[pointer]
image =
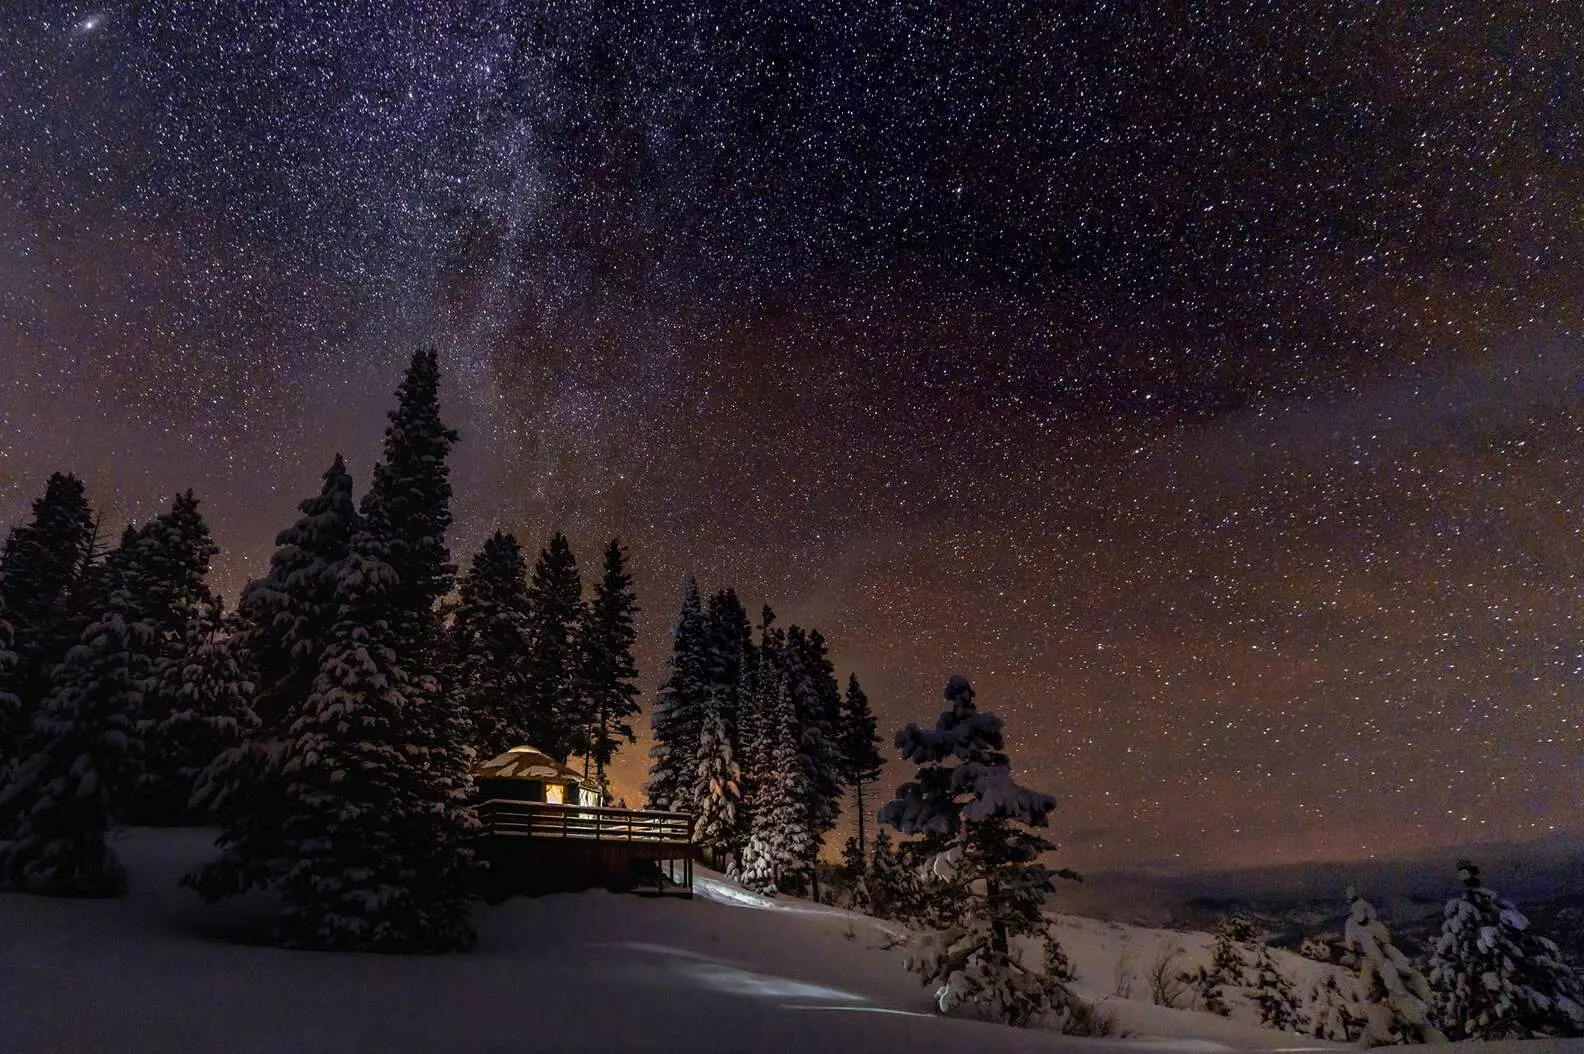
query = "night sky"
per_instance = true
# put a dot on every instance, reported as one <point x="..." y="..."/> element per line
<point x="1206" y="387"/>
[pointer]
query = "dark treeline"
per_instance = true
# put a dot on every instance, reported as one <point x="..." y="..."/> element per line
<point x="753" y="735"/>
<point x="329" y="724"/>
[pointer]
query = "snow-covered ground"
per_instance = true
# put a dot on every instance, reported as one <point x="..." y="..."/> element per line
<point x="727" y="971"/>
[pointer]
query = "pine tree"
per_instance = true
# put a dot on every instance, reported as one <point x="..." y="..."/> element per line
<point x="974" y="819"/>
<point x="1396" y="997"/>
<point x="1207" y="991"/>
<point x="816" y="700"/>
<point x="165" y="564"/>
<point x="1273" y="994"/>
<point x="557" y="711"/>
<point x="79" y="761"/>
<point x="10" y="702"/>
<point x="754" y="719"/>
<point x="1334" y="1014"/>
<point x="716" y="790"/>
<point x="677" y="719"/>
<point x="609" y="669"/>
<point x="375" y="864"/>
<point x="411" y="495"/>
<point x="377" y="828"/>
<point x="1493" y="979"/>
<point x="1226" y="970"/>
<point x="729" y="642"/>
<point x="208" y="700"/>
<point x="41" y="563"/>
<point x="284" y="622"/>
<point x="781" y="842"/>
<point x="490" y="635"/>
<point x="860" y="739"/>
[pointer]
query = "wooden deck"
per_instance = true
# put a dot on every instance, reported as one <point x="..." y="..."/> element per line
<point x="536" y="847"/>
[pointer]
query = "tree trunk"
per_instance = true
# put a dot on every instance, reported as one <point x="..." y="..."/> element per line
<point x="863" y="844"/>
<point x="998" y="931"/>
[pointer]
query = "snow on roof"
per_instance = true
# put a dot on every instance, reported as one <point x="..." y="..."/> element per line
<point x="526" y="763"/>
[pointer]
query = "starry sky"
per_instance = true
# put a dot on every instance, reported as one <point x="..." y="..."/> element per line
<point x="1204" y="383"/>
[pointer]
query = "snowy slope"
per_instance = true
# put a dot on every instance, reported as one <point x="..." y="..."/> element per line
<point x="157" y="971"/>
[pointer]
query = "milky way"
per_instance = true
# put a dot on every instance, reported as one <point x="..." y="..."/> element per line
<point x="1204" y="386"/>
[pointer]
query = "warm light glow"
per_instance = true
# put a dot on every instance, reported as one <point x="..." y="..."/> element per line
<point x="555" y="794"/>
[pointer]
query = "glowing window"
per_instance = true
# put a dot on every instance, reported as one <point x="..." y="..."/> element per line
<point x="555" y="794"/>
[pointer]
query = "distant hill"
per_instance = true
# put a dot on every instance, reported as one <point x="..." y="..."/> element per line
<point x="1545" y="878"/>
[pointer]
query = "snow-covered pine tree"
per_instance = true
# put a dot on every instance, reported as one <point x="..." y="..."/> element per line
<point x="167" y="563"/>
<point x="609" y="669"/>
<point x="1334" y="1014"/>
<point x="376" y="862"/>
<point x="208" y="703"/>
<point x="860" y="740"/>
<point x="753" y="719"/>
<point x="716" y="789"/>
<point x="79" y="763"/>
<point x="378" y="826"/>
<point x="1493" y="979"/>
<point x="411" y="493"/>
<point x="678" y="714"/>
<point x="968" y="812"/>
<point x="1208" y="994"/>
<point x="816" y="698"/>
<point x="886" y="882"/>
<point x="1396" y="996"/>
<point x="1273" y="993"/>
<point x="490" y="635"/>
<point x="557" y="711"/>
<point x="854" y="879"/>
<point x="283" y="625"/>
<point x="41" y="562"/>
<point x="10" y="703"/>
<point x="729" y="640"/>
<point x="781" y="843"/>
<point x="1226" y="955"/>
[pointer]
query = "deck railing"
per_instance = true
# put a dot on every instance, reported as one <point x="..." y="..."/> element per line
<point x="527" y="819"/>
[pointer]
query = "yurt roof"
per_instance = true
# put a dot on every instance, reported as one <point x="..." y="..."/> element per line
<point x="526" y="763"/>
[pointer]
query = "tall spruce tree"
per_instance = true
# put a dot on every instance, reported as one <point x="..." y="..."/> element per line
<point x="10" y="702"/>
<point x="816" y="699"/>
<point x="283" y="625"/>
<point x="716" y="787"/>
<point x="754" y="718"/>
<point x="375" y="863"/>
<point x="378" y="827"/>
<point x="208" y="704"/>
<point x="860" y="740"/>
<point x="609" y="670"/>
<point x="557" y="707"/>
<point x="411" y="496"/>
<point x="41" y="564"/>
<point x="79" y="762"/>
<point x="781" y="842"/>
<point x="967" y="811"/>
<point x="677" y="719"/>
<point x="491" y="633"/>
<point x="1492" y="978"/>
<point x="167" y="563"/>
<point x="1396" y="997"/>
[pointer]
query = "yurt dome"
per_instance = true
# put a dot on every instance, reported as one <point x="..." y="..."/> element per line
<point x="528" y="774"/>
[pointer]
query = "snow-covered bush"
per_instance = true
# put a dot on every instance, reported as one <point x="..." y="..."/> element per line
<point x="1492" y="978"/>
<point x="1273" y="994"/>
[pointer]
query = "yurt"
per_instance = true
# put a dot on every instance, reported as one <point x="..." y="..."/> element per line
<point x="528" y="774"/>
